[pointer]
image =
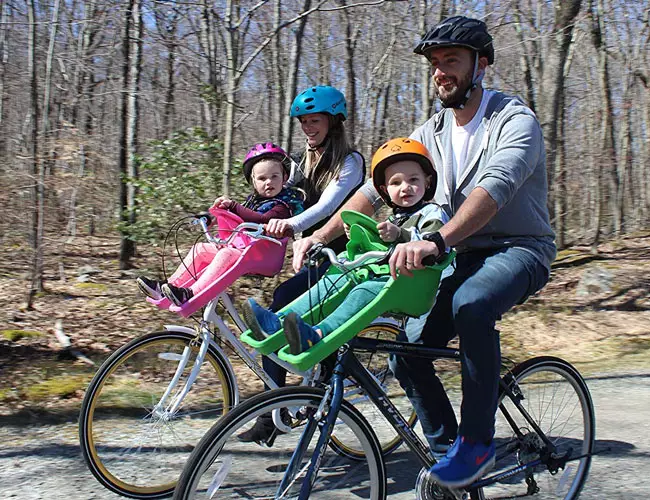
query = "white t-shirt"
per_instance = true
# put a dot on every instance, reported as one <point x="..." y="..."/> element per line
<point x="462" y="137"/>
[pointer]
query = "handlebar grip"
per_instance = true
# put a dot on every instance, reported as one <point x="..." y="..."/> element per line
<point x="206" y="215"/>
<point x="431" y="260"/>
<point x="314" y="251"/>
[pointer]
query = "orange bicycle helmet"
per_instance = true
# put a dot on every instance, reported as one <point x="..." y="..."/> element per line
<point x="399" y="149"/>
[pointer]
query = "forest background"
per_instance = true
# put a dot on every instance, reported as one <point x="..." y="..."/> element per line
<point x="119" y="117"/>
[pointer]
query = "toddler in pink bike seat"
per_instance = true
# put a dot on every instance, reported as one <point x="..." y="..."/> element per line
<point x="266" y="167"/>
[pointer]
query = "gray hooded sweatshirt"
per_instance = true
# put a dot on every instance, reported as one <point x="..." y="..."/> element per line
<point x="508" y="160"/>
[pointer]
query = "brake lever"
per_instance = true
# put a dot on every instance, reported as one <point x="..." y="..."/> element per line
<point x="259" y="234"/>
<point x="386" y="258"/>
<point x="432" y="260"/>
<point x="313" y="253"/>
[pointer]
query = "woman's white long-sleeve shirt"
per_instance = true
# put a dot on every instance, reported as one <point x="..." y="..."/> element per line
<point x="350" y="177"/>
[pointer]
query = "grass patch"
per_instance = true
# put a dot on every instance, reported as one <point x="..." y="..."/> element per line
<point x="99" y="287"/>
<point x="61" y="386"/>
<point x="15" y="335"/>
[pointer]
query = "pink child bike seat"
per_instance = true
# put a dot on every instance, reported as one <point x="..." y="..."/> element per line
<point x="248" y="255"/>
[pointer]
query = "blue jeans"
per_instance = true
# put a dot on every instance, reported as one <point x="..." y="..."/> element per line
<point x="284" y="294"/>
<point x="483" y="287"/>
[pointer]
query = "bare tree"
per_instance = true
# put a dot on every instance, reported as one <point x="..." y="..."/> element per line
<point x="552" y="82"/>
<point x="291" y="88"/>
<point x="131" y="72"/>
<point x="4" y="59"/>
<point x="607" y="164"/>
<point x="36" y="226"/>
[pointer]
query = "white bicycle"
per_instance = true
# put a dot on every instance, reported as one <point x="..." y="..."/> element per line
<point x="154" y="398"/>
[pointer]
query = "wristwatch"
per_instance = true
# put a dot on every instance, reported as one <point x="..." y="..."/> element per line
<point x="438" y="240"/>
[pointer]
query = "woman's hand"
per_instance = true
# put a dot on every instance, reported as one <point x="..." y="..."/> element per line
<point x="388" y="231"/>
<point x="278" y="228"/>
<point x="408" y="256"/>
<point x="222" y="202"/>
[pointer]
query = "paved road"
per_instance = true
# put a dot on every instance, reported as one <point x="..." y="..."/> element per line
<point x="45" y="463"/>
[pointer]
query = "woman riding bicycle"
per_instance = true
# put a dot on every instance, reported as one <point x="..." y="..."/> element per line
<point x="329" y="171"/>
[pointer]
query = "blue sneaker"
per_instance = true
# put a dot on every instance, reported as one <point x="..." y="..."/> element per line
<point x="300" y="336"/>
<point x="262" y="322"/>
<point x="464" y="463"/>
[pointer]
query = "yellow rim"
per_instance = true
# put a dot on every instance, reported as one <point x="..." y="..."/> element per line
<point x="144" y="490"/>
<point x="373" y="331"/>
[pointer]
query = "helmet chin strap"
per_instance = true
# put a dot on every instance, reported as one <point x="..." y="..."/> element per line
<point x="314" y="149"/>
<point x="476" y="80"/>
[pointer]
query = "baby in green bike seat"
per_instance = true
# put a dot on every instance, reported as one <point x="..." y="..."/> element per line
<point x="404" y="175"/>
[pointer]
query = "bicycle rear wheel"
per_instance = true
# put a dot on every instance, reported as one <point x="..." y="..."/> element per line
<point x="558" y="400"/>
<point x="132" y="449"/>
<point x="377" y="364"/>
<point x="221" y="466"/>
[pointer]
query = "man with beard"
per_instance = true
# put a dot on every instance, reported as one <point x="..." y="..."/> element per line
<point x="489" y="153"/>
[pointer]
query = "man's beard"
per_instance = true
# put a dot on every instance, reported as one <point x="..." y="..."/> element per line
<point x="456" y="98"/>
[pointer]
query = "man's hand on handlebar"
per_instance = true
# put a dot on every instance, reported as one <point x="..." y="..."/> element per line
<point x="300" y="249"/>
<point x="408" y="256"/>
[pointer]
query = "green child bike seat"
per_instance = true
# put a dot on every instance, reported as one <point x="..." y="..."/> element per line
<point x="412" y="296"/>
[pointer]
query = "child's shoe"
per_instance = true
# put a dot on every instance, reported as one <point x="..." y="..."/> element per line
<point x="176" y="294"/>
<point x="151" y="288"/>
<point x="300" y="336"/>
<point x="261" y="321"/>
<point x="464" y="463"/>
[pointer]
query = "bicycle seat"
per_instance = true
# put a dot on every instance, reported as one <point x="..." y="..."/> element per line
<point x="247" y="256"/>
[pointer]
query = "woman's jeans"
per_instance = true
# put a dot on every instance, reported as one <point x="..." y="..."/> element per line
<point x="284" y="294"/>
<point x="470" y="301"/>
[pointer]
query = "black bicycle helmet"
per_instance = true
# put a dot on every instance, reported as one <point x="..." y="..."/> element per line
<point x="459" y="31"/>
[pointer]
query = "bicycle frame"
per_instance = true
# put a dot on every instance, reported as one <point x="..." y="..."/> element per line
<point x="347" y="365"/>
<point x="165" y="409"/>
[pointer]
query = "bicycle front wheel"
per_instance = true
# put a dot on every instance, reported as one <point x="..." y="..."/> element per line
<point x="558" y="400"/>
<point x="222" y="466"/>
<point x="377" y="364"/>
<point x="132" y="446"/>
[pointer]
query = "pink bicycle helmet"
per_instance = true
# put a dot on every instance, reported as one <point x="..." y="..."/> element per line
<point x="261" y="151"/>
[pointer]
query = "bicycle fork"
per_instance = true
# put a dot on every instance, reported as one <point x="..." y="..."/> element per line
<point x="330" y="405"/>
<point x="166" y="413"/>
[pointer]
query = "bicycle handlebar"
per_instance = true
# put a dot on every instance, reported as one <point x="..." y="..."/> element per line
<point x="379" y="257"/>
<point x="257" y="230"/>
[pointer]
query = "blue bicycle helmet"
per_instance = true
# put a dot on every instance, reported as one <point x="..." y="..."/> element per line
<point x="320" y="99"/>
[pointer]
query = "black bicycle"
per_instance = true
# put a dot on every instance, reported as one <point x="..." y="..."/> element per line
<point x="544" y="436"/>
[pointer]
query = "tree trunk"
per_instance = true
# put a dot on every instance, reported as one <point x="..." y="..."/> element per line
<point x="525" y="61"/>
<point x="608" y="143"/>
<point x="352" y="34"/>
<point x="207" y="42"/>
<point x="278" y="78"/>
<point x="36" y="225"/>
<point x="291" y="88"/>
<point x="232" y="79"/>
<point x="553" y="83"/>
<point x="127" y="247"/>
<point x="4" y="59"/>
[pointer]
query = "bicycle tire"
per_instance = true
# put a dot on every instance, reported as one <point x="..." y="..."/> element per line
<point x="557" y="398"/>
<point x="377" y="364"/>
<point x="128" y="449"/>
<point x="248" y="470"/>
